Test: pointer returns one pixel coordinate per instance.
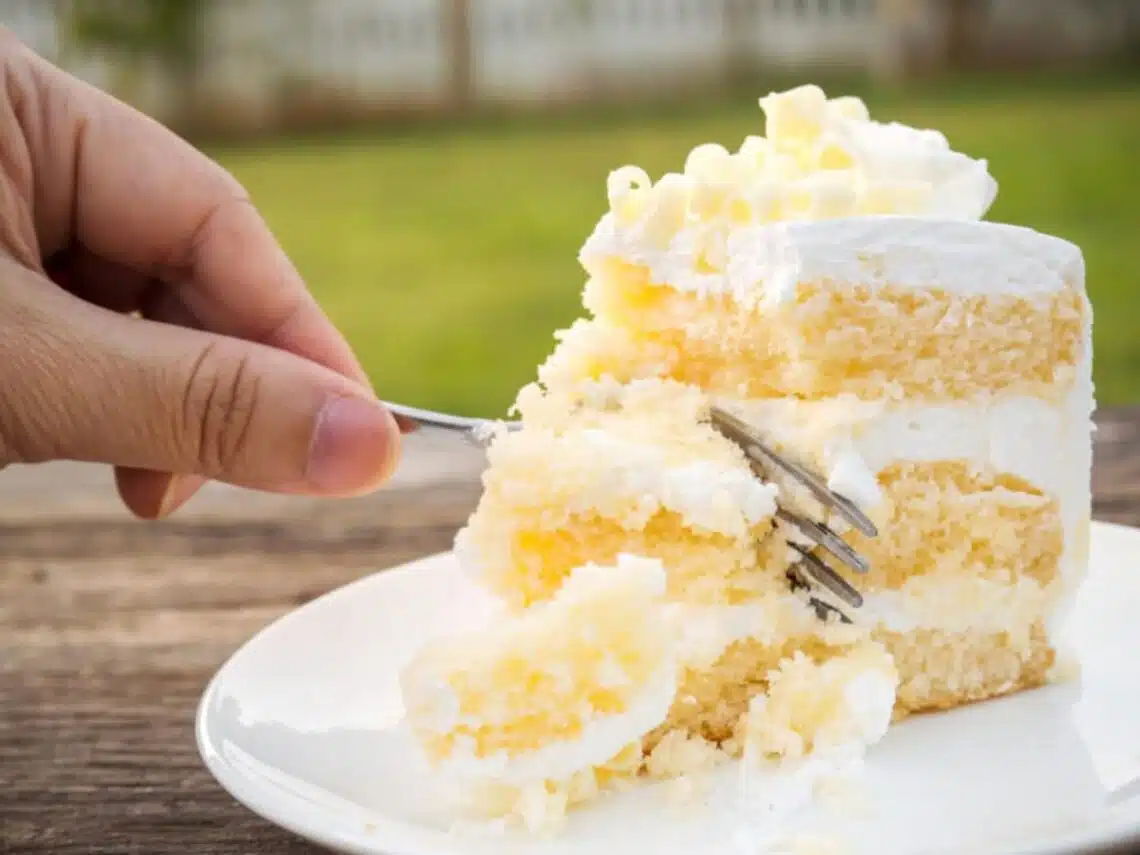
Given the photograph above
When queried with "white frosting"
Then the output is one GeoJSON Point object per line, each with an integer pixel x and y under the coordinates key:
{"type": "Point", "coordinates": [704, 493]}
{"type": "Point", "coordinates": [708, 630]}
{"type": "Point", "coordinates": [870, 701]}
{"type": "Point", "coordinates": [852, 478]}
{"type": "Point", "coordinates": [955, 605]}
{"type": "Point", "coordinates": [764, 263]}
{"type": "Point", "coordinates": [893, 154]}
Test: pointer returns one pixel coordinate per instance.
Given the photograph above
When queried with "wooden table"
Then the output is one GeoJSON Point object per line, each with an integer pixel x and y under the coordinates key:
{"type": "Point", "coordinates": [109, 630]}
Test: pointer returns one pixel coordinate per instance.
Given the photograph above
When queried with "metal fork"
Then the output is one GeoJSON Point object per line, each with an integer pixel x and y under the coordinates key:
{"type": "Point", "coordinates": [808, 569]}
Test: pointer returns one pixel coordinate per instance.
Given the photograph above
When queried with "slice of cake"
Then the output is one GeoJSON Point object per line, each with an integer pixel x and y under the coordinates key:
{"type": "Point", "coordinates": [832, 285]}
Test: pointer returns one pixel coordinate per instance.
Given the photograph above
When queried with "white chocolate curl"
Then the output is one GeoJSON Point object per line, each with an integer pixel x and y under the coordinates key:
{"type": "Point", "coordinates": [821, 159]}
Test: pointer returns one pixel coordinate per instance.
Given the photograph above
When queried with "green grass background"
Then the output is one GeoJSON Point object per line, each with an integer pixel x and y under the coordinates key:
{"type": "Point", "coordinates": [447, 254]}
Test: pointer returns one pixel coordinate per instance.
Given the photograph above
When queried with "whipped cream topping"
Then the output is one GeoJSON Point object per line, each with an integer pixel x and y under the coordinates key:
{"type": "Point", "coordinates": [868, 163]}
{"type": "Point", "coordinates": [821, 159]}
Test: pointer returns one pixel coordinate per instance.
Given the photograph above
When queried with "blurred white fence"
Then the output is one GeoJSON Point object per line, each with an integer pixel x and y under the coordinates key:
{"type": "Point", "coordinates": [265, 57]}
{"type": "Point", "coordinates": [409, 52]}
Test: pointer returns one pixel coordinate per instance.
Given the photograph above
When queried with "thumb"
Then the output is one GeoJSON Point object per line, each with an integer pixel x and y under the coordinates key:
{"type": "Point", "coordinates": [81, 383]}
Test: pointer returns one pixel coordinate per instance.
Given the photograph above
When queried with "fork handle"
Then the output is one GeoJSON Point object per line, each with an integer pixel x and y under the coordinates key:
{"type": "Point", "coordinates": [430, 418]}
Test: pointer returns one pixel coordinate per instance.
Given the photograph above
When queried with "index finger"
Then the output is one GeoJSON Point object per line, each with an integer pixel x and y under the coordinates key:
{"type": "Point", "coordinates": [136, 194]}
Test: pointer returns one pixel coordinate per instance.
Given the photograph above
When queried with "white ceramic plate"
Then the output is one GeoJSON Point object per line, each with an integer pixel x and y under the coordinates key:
{"type": "Point", "coordinates": [303, 726]}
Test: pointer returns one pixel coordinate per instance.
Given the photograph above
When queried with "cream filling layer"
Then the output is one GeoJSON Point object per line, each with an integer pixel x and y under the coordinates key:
{"type": "Point", "coordinates": [947, 604]}
{"type": "Point", "coordinates": [1046, 444]}
{"type": "Point", "coordinates": [761, 265]}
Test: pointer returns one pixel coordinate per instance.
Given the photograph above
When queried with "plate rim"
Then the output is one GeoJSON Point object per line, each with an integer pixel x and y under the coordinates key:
{"type": "Point", "coordinates": [1120, 837]}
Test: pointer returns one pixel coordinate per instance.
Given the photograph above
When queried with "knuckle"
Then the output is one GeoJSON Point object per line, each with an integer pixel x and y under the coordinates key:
{"type": "Point", "coordinates": [227, 196]}
{"type": "Point", "coordinates": [11, 46]}
{"type": "Point", "coordinates": [221, 397]}
{"type": "Point", "coordinates": [232, 190]}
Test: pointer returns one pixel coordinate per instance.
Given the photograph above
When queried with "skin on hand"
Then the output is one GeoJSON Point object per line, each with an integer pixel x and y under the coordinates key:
{"type": "Point", "coordinates": [148, 318]}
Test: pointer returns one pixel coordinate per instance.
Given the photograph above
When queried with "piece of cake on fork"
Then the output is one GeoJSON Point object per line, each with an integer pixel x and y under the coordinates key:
{"type": "Point", "coordinates": [833, 286]}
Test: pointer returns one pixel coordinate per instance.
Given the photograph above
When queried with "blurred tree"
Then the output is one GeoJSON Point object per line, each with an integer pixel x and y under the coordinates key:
{"type": "Point", "coordinates": [461, 50]}
{"type": "Point", "coordinates": [162, 35]}
{"type": "Point", "coordinates": [892, 61]}
{"type": "Point", "coordinates": [964, 22]}
{"type": "Point", "coordinates": [740, 18]}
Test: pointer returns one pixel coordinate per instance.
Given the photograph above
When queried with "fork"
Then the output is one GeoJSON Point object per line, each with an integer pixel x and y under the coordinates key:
{"type": "Point", "coordinates": [761, 456]}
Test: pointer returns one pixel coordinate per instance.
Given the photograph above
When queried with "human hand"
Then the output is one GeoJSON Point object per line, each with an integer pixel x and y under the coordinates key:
{"type": "Point", "coordinates": [149, 320]}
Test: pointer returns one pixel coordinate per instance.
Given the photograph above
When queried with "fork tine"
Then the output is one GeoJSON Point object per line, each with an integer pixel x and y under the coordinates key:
{"type": "Point", "coordinates": [743, 435]}
{"type": "Point", "coordinates": [820, 572]}
{"type": "Point", "coordinates": [826, 538]}
{"type": "Point", "coordinates": [823, 610]}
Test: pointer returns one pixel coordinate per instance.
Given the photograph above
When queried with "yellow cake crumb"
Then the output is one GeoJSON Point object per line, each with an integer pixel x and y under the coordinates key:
{"type": "Point", "coordinates": [894, 343]}
{"type": "Point", "coordinates": [817, 706]}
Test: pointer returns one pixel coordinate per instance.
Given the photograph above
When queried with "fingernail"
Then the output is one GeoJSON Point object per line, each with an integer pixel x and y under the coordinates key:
{"type": "Point", "coordinates": [178, 491]}
{"type": "Point", "coordinates": [355, 446]}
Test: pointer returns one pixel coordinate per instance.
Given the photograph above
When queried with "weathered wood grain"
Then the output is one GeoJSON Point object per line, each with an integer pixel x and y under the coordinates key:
{"type": "Point", "coordinates": [109, 630]}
